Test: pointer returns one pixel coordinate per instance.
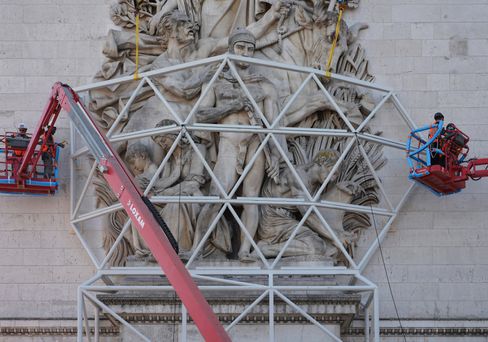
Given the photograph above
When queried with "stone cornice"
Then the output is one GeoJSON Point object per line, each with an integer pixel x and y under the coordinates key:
{"type": "Point", "coordinates": [52, 331]}
{"type": "Point", "coordinates": [124, 299]}
{"type": "Point", "coordinates": [114, 331]}
{"type": "Point", "coordinates": [452, 331]}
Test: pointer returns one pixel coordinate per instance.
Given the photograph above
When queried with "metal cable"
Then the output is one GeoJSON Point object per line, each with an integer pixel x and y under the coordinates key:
{"type": "Point", "coordinates": [360, 166]}
{"type": "Point", "coordinates": [387, 277]}
{"type": "Point", "coordinates": [178, 228]}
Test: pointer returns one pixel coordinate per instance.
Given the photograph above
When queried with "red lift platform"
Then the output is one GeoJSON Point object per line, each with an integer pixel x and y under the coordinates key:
{"type": "Point", "coordinates": [139, 208]}
{"type": "Point", "coordinates": [32, 180]}
{"type": "Point", "coordinates": [439, 163]}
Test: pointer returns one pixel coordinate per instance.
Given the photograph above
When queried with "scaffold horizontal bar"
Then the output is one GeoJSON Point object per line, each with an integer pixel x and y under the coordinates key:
{"type": "Point", "coordinates": [235, 270]}
{"type": "Point", "coordinates": [220, 58]}
{"type": "Point", "coordinates": [271, 201]}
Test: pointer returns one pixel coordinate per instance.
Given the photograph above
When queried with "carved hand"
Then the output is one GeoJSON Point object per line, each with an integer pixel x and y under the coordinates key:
{"type": "Point", "coordinates": [239, 104]}
{"type": "Point", "coordinates": [344, 237]}
{"type": "Point", "coordinates": [247, 105]}
{"type": "Point", "coordinates": [273, 170]}
{"type": "Point", "coordinates": [281, 8]}
{"type": "Point", "coordinates": [350, 188]}
{"type": "Point", "coordinates": [142, 181]}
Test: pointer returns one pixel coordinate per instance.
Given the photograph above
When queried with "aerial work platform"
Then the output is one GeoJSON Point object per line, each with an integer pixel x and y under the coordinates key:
{"type": "Point", "coordinates": [440, 163]}
{"type": "Point", "coordinates": [22, 157]}
{"type": "Point", "coordinates": [33, 180]}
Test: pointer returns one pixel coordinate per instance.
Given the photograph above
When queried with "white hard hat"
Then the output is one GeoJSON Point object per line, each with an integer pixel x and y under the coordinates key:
{"type": "Point", "coordinates": [22, 126]}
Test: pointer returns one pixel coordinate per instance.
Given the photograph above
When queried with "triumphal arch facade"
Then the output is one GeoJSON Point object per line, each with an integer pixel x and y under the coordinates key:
{"type": "Point", "coordinates": [257, 131]}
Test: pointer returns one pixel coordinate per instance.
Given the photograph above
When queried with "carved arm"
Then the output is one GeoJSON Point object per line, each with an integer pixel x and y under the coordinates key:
{"type": "Point", "coordinates": [258, 28]}
{"type": "Point", "coordinates": [215, 114]}
{"type": "Point", "coordinates": [186, 89]}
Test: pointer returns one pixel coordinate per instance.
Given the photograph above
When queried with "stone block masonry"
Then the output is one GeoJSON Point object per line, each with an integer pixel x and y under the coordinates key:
{"type": "Point", "coordinates": [436, 256]}
{"type": "Point", "coordinates": [435, 54]}
{"type": "Point", "coordinates": [43, 41]}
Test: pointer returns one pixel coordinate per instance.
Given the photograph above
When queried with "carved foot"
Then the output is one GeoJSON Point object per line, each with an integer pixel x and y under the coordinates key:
{"type": "Point", "coordinates": [186, 255]}
{"type": "Point", "coordinates": [247, 257]}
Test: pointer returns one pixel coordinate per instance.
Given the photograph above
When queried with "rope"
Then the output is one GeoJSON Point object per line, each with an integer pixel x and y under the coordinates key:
{"type": "Point", "coordinates": [334, 43]}
{"type": "Point", "coordinates": [136, 72]}
{"type": "Point", "coordinates": [381, 253]}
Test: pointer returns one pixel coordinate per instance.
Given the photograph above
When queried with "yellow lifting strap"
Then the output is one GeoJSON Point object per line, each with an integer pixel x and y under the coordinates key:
{"type": "Point", "coordinates": [136, 72]}
{"type": "Point", "coordinates": [334, 43]}
{"type": "Point", "coordinates": [137, 7]}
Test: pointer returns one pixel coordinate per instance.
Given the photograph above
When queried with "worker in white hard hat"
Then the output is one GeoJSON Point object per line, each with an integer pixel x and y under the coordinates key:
{"type": "Point", "coordinates": [20, 134]}
{"type": "Point", "coordinates": [22, 130]}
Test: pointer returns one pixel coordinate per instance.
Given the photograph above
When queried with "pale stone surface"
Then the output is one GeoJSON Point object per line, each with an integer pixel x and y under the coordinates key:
{"type": "Point", "coordinates": [241, 333]}
{"type": "Point", "coordinates": [442, 240]}
{"type": "Point", "coordinates": [42, 261]}
{"type": "Point", "coordinates": [230, 153]}
{"type": "Point", "coordinates": [40, 50]}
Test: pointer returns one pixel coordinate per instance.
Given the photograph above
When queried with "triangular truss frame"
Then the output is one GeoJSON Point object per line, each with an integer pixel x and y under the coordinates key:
{"type": "Point", "coordinates": [268, 131]}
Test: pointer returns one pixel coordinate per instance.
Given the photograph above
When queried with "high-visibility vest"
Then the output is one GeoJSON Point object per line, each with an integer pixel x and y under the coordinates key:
{"type": "Point", "coordinates": [432, 130]}
{"type": "Point", "coordinates": [438, 142]}
{"type": "Point", "coordinates": [17, 152]}
{"type": "Point", "coordinates": [46, 147]}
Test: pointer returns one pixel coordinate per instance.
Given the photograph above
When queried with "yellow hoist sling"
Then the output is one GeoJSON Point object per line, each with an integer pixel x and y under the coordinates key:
{"type": "Point", "coordinates": [136, 72]}
{"type": "Point", "coordinates": [342, 7]}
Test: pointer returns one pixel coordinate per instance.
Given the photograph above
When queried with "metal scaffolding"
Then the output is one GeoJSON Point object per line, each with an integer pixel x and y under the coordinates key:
{"type": "Point", "coordinates": [270, 269]}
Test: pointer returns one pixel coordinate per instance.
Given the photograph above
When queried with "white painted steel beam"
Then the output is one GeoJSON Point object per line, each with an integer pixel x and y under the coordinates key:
{"type": "Point", "coordinates": [269, 131]}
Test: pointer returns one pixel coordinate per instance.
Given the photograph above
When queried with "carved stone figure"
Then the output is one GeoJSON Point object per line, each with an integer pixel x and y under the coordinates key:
{"type": "Point", "coordinates": [294, 32]}
{"type": "Point", "coordinates": [157, 36]}
{"type": "Point", "coordinates": [139, 160]}
{"type": "Point", "coordinates": [227, 104]}
{"type": "Point", "coordinates": [305, 38]}
{"type": "Point", "coordinates": [278, 222]}
{"type": "Point", "coordinates": [180, 89]}
{"type": "Point", "coordinates": [182, 176]}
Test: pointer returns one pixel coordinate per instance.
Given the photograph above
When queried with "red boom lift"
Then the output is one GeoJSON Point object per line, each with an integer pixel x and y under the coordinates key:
{"type": "Point", "coordinates": [144, 216]}
{"type": "Point", "coordinates": [31, 179]}
{"type": "Point", "coordinates": [440, 162]}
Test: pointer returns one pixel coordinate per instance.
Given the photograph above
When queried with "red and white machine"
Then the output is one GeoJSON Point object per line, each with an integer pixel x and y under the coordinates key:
{"type": "Point", "coordinates": [144, 216]}
{"type": "Point", "coordinates": [440, 163]}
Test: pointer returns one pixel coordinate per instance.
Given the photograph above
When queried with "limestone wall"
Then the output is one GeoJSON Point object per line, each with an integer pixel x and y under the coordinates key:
{"type": "Point", "coordinates": [43, 41]}
{"type": "Point", "coordinates": [435, 54]}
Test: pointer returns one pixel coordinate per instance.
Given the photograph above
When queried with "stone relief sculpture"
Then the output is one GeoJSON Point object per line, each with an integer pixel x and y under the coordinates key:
{"type": "Point", "coordinates": [278, 222]}
{"type": "Point", "coordinates": [227, 104]}
{"type": "Point", "coordinates": [293, 32]}
{"type": "Point", "coordinates": [184, 176]}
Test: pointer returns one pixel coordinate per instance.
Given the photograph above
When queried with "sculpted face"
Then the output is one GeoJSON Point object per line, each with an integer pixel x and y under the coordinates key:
{"type": "Point", "coordinates": [185, 31]}
{"type": "Point", "coordinates": [245, 49]}
{"type": "Point", "coordinates": [165, 141]}
{"type": "Point", "coordinates": [325, 171]}
{"type": "Point", "coordinates": [137, 164]}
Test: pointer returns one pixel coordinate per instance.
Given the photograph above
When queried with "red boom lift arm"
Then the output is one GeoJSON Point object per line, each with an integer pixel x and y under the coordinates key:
{"type": "Point", "coordinates": [474, 173]}
{"type": "Point", "coordinates": [140, 210]}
